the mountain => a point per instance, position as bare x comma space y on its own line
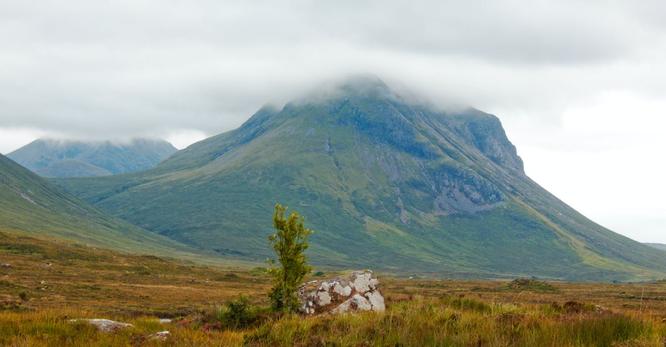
60, 158
32, 206
660, 246
386, 183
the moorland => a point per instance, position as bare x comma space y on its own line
46, 283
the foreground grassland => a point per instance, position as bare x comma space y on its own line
44, 284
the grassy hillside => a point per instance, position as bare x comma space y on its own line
56, 158
384, 183
32, 206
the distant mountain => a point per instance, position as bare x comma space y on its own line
386, 184
660, 246
58, 158
31, 205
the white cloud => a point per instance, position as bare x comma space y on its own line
13, 138
183, 138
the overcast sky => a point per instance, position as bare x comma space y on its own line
579, 85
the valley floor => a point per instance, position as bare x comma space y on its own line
45, 284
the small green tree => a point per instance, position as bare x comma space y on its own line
289, 242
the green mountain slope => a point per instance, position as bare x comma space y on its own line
659, 246
31, 205
384, 182
55, 158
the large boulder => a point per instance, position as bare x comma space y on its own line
357, 292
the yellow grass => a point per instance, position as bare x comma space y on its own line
47, 284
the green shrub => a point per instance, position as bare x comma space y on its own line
259, 271
239, 314
289, 242
467, 304
530, 284
23, 296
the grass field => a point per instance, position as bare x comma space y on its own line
45, 284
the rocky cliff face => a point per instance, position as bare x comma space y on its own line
485, 133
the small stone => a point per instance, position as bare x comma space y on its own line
104, 325
600, 309
159, 336
165, 321
6, 265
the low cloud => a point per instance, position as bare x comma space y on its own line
127, 68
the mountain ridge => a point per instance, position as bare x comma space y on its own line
660, 246
68, 158
386, 183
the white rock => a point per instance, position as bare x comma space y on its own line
324, 286
160, 336
376, 300
373, 283
361, 303
358, 292
342, 308
165, 320
361, 281
104, 325
323, 298
344, 291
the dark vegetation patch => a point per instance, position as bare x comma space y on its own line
528, 284
6, 285
575, 307
19, 248
226, 277
466, 304
241, 314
